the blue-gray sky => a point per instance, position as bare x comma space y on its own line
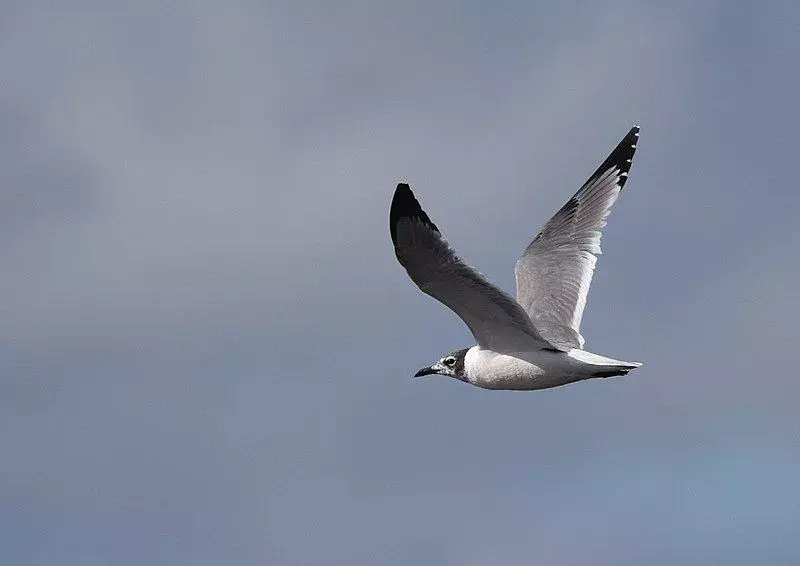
207, 343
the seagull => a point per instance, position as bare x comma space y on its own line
533, 342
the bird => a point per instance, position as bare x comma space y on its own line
533, 342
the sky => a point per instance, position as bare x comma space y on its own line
206, 343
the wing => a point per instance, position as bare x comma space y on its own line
554, 273
496, 320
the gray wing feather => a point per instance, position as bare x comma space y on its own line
554, 273
495, 319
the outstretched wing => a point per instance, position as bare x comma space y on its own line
496, 320
554, 273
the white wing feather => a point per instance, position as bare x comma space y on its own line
554, 273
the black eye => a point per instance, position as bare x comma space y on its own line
450, 362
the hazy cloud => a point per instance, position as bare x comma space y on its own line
208, 342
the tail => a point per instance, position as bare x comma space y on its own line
601, 366
620, 369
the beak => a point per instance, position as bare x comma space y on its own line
427, 371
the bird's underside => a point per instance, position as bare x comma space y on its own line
534, 341
538, 369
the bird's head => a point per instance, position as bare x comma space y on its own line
451, 365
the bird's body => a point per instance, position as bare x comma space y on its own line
533, 342
537, 369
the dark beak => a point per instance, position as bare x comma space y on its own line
425, 371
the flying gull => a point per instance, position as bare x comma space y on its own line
535, 341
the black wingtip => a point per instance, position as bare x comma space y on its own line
622, 156
405, 205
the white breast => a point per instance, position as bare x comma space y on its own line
521, 370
